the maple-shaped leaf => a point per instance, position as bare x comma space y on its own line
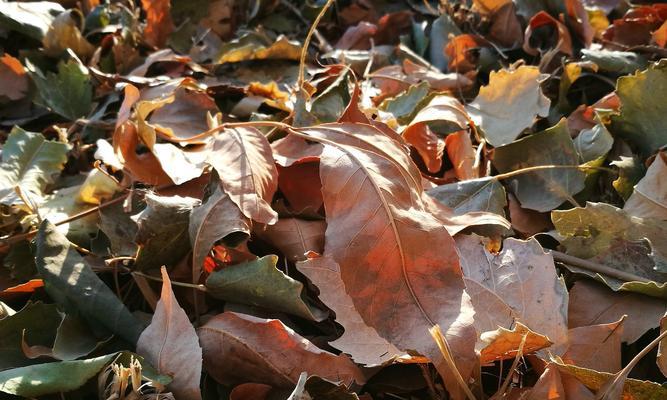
524, 277
243, 159
240, 348
397, 260
29, 161
509, 104
217, 219
170, 343
640, 119
260, 283
69, 92
359, 340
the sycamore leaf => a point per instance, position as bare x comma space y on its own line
71, 282
218, 218
547, 189
649, 198
260, 283
29, 161
524, 277
69, 92
295, 237
509, 104
640, 119
39, 321
170, 343
359, 340
242, 157
503, 344
382, 234
163, 230
240, 348
592, 303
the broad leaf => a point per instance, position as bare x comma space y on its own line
359, 340
71, 282
524, 277
260, 283
30, 162
642, 107
295, 237
484, 194
39, 321
32, 19
509, 104
239, 348
649, 198
503, 344
547, 189
242, 157
596, 347
381, 233
170, 343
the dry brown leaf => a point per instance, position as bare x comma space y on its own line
300, 185
429, 146
244, 161
529, 222
295, 237
159, 24
649, 198
359, 340
596, 347
461, 154
491, 312
523, 276
13, 78
170, 344
64, 34
548, 387
592, 303
503, 344
240, 348
562, 41
381, 233
459, 51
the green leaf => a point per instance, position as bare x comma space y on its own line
329, 106
68, 93
163, 230
643, 107
40, 322
29, 18
542, 190
29, 161
404, 106
70, 281
484, 194
620, 62
608, 234
260, 283
42, 379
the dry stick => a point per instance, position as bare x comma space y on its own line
595, 267
515, 363
324, 44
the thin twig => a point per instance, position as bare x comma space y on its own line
304, 49
201, 288
526, 170
595, 267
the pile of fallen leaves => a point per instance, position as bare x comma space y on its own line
333, 200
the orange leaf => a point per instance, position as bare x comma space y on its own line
158, 22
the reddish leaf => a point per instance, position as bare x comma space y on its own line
158, 22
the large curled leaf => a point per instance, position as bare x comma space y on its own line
240, 348
71, 282
547, 189
170, 343
642, 106
29, 161
260, 283
397, 261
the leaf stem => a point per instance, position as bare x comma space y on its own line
595, 267
201, 288
526, 170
